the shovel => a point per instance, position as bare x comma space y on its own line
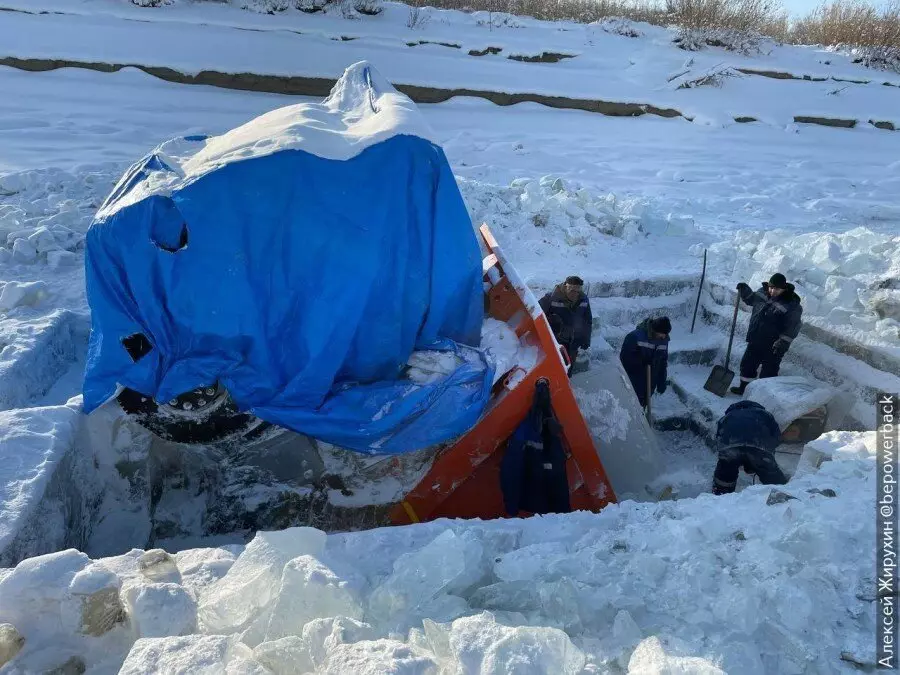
720, 378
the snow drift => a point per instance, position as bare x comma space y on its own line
298, 260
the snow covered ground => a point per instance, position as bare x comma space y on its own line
694, 585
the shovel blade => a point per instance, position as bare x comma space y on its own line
719, 380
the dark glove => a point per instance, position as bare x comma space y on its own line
780, 347
741, 286
661, 387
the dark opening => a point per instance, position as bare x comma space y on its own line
182, 241
137, 346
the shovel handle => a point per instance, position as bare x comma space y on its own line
737, 304
699, 292
649, 391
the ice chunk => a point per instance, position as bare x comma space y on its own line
24, 251
11, 643
19, 294
230, 604
789, 397
309, 590
43, 241
886, 304
449, 563
530, 562
827, 255
286, 656
101, 607
201, 567
321, 636
481, 645
57, 259
36, 594
157, 565
651, 659
842, 292
379, 657
194, 654
160, 609
859, 262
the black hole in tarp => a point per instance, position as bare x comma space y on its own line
137, 346
168, 229
174, 247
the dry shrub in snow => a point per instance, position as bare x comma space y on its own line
694, 39
745, 16
151, 3
310, 6
715, 77
874, 30
619, 26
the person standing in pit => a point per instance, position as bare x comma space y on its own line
569, 314
774, 323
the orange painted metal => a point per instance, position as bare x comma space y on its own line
464, 480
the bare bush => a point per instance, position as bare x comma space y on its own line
151, 3
746, 16
268, 6
368, 7
714, 77
310, 6
416, 18
742, 42
869, 33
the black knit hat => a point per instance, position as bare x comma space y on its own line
661, 325
575, 281
778, 281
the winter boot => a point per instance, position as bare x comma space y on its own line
739, 390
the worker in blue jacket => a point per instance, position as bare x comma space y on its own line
746, 436
648, 344
569, 314
774, 323
533, 471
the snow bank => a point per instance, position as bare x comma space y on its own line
47, 488
740, 583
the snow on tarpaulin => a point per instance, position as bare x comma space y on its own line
300, 260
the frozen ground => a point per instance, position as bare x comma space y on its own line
759, 582
647, 69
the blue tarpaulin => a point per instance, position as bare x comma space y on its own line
301, 282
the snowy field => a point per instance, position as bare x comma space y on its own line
699, 585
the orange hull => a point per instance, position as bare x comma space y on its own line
464, 480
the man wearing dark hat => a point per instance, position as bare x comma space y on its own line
774, 323
648, 344
569, 313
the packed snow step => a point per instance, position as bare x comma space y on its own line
36, 350
631, 310
699, 347
49, 489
